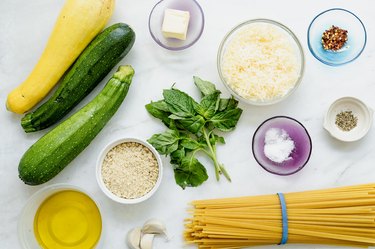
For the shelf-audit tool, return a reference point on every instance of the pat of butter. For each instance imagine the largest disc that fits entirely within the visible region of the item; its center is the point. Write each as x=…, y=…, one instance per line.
x=175, y=24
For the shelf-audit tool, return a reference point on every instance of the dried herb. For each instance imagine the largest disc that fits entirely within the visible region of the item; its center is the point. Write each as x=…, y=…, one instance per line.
x=334, y=38
x=346, y=121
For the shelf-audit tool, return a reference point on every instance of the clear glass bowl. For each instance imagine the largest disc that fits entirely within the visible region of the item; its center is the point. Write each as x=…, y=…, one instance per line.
x=228, y=37
x=343, y=19
x=195, y=29
x=25, y=226
x=299, y=156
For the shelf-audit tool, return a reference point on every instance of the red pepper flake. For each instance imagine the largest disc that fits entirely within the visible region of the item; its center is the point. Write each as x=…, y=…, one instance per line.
x=334, y=38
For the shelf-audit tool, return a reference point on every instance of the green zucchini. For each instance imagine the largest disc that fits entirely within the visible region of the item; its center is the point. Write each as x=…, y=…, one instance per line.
x=95, y=62
x=55, y=150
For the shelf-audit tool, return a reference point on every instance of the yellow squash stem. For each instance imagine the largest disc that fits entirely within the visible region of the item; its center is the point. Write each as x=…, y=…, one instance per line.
x=78, y=23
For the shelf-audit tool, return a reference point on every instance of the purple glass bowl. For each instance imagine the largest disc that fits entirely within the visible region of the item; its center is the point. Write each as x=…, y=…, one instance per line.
x=297, y=132
x=196, y=24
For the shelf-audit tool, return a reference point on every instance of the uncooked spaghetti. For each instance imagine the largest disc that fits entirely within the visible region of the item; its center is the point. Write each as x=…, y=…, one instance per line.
x=341, y=216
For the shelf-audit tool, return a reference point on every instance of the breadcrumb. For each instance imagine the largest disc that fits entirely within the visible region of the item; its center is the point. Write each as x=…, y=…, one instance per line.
x=130, y=170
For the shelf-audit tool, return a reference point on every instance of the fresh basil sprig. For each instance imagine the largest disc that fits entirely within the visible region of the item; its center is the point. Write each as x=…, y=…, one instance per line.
x=191, y=128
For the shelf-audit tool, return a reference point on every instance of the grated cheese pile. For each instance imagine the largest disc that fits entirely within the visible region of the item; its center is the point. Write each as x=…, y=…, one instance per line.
x=261, y=62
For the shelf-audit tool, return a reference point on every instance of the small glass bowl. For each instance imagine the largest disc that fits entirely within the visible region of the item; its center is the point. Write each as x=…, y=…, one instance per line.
x=299, y=156
x=360, y=110
x=99, y=176
x=26, y=219
x=343, y=19
x=228, y=37
x=195, y=29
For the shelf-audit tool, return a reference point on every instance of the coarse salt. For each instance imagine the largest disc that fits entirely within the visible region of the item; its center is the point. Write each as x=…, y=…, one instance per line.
x=130, y=170
x=278, y=146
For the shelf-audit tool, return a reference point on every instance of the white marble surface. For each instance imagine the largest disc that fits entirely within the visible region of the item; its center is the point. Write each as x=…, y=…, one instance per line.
x=24, y=29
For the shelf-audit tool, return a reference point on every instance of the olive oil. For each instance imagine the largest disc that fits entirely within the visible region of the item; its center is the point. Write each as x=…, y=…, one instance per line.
x=68, y=220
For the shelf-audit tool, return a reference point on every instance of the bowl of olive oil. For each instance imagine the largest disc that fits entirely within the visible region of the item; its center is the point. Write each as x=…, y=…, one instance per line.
x=60, y=216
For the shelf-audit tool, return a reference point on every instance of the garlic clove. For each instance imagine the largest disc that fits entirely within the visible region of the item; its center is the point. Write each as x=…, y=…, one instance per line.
x=147, y=240
x=155, y=226
x=133, y=238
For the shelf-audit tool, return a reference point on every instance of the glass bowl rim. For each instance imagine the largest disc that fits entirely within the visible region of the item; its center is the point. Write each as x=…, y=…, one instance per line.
x=300, y=124
x=279, y=25
x=330, y=63
x=55, y=188
x=184, y=46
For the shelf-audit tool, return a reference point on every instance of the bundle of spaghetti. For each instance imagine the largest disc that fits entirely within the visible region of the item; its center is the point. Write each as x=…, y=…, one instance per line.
x=342, y=216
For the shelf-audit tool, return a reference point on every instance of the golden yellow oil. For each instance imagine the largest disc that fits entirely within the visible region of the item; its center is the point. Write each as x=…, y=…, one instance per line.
x=68, y=219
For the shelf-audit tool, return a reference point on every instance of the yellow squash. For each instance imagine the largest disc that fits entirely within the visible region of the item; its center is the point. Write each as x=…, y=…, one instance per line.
x=78, y=23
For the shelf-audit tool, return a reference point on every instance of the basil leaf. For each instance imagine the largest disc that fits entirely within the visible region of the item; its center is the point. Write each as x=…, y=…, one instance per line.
x=159, y=110
x=223, y=104
x=227, y=104
x=193, y=124
x=172, y=125
x=178, y=155
x=190, y=144
x=214, y=139
x=179, y=103
x=226, y=120
x=175, y=117
x=190, y=173
x=161, y=105
x=205, y=87
x=232, y=104
x=209, y=105
x=202, y=141
x=165, y=143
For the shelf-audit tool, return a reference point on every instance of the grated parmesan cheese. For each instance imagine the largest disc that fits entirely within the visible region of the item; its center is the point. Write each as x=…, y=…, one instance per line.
x=261, y=62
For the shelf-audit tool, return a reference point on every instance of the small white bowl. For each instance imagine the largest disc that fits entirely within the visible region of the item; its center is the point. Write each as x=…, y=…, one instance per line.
x=101, y=183
x=359, y=110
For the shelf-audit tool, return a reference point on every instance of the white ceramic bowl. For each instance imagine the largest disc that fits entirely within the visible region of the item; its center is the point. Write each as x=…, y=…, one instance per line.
x=359, y=110
x=25, y=226
x=99, y=177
